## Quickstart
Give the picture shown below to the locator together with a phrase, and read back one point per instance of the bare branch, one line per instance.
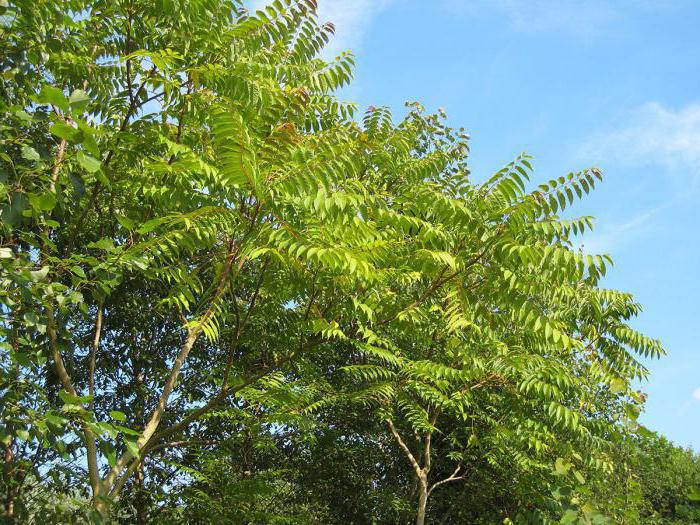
(405, 448)
(93, 352)
(67, 383)
(428, 441)
(56, 166)
(453, 477)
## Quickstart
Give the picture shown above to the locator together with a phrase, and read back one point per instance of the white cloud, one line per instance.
(688, 405)
(573, 18)
(614, 236)
(352, 19)
(536, 16)
(653, 134)
(696, 394)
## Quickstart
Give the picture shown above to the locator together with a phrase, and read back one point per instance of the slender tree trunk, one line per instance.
(141, 498)
(9, 510)
(102, 509)
(421, 472)
(422, 499)
(127, 463)
(9, 461)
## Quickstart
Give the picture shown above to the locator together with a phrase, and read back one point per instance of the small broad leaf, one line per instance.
(632, 411)
(694, 493)
(151, 225)
(64, 131)
(30, 153)
(90, 163)
(127, 430)
(561, 467)
(126, 222)
(103, 244)
(13, 214)
(111, 454)
(77, 183)
(43, 202)
(78, 100)
(54, 96)
(617, 385)
(117, 415)
(40, 274)
(132, 447)
(644, 431)
(71, 399)
(569, 518)
(55, 419)
(77, 270)
(87, 139)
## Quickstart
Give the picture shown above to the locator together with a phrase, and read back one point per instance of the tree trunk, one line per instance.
(141, 498)
(102, 509)
(9, 510)
(422, 499)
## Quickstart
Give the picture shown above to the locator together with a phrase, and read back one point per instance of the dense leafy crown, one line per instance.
(194, 226)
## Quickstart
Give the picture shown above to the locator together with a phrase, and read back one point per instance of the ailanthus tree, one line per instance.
(515, 346)
(192, 221)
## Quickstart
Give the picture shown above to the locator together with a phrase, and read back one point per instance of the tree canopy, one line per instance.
(227, 297)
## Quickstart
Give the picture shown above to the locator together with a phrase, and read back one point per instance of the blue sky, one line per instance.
(610, 83)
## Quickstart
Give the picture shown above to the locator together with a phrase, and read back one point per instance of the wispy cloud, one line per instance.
(352, 20)
(652, 134)
(574, 18)
(616, 235)
(536, 16)
(694, 400)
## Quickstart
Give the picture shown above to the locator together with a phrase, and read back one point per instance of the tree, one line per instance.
(669, 480)
(192, 222)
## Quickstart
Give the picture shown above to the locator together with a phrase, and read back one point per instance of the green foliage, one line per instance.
(669, 480)
(210, 265)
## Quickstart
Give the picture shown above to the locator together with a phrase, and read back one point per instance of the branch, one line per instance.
(66, 381)
(226, 391)
(93, 353)
(428, 442)
(405, 448)
(138, 461)
(59, 160)
(63, 375)
(437, 283)
(254, 298)
(453, 477)
(240, 324)
(159, 410)
(147, 445)
(190, 443)
(181, 117)
(150, 446)
(60, 155)
(184, 351)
